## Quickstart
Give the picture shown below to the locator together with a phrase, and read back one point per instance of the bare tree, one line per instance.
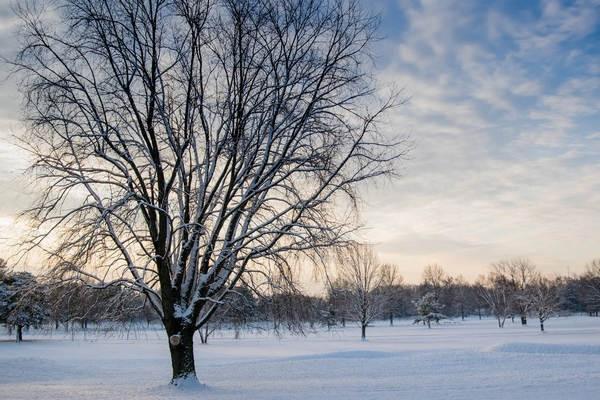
(390, 285)
(435, 279)
(476, 295)
(591, 285)
(497, 295)
(544, 299)
(519, 274)
(183, 143)
(463, 297)
(362, 276)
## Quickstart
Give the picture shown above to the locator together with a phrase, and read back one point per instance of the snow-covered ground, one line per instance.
(462, 360)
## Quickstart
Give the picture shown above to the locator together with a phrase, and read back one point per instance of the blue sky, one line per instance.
(504, 112)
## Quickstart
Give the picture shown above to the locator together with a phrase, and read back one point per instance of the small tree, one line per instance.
(518, 275)
(428, 309)
(4, 300)
(435, 279)
(495, 292)
(22, 301)
(461, 296)
(544, 299)
(240, 307)
(390, 289)
(361, 274)
(4, 291)
(337, 299)
(590, 285)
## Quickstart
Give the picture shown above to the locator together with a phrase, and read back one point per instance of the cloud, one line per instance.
(504, 115)
(504, 112)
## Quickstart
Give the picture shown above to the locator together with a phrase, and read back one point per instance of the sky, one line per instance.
(503, 110)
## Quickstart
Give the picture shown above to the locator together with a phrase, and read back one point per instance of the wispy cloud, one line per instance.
(504, 110)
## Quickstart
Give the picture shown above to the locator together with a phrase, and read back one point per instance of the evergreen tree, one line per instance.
(428, 309)
(22, 301)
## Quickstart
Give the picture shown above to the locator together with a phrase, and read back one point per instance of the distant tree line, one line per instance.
(361, 291)
(513, 289)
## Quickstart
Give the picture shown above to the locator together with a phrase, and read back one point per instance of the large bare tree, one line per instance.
(182, 144)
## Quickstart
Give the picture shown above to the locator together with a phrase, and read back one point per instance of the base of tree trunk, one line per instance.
(186, 382)
(182, 360)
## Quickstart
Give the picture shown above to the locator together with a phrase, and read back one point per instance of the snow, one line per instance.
(543, 348)
(459, 360)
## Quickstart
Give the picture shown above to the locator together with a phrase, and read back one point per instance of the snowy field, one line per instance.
(461, 360)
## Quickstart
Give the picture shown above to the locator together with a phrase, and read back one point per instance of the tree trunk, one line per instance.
(523, 319)
(541, 325)
(182, 358)
(363, 334)
(19, 333)
(391, 319)
(501, 322)
(204, 333)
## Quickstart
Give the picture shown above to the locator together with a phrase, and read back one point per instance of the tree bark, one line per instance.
(182, 357)
(363, 335)
(391, 319)
(19, 333)
(542, 326)
(523, 319)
